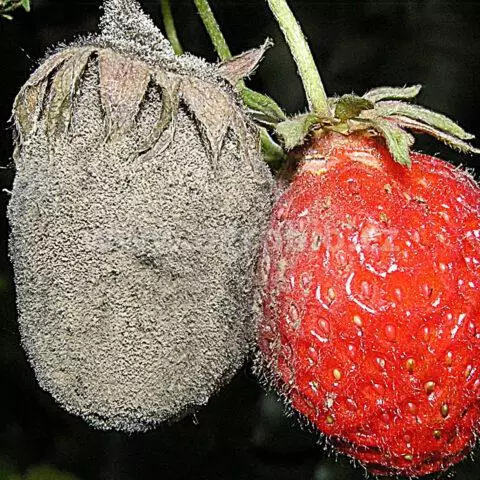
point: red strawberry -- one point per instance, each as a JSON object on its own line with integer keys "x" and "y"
{"x": 370, "y": 303}
{"x": 368, "y": 278}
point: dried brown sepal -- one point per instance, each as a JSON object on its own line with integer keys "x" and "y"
{"x": 29, "y": 101}
{"x": 169, "y": 86}
{"x": 245, "y": 64}
{"x": 49, "y": 65}
{"x": 123, "y": 85}
{"x": 28, "y": 105}
{"x": 211, "y": 107}
{"x": 240, "y": 128}
{"x": 64, "y": 85}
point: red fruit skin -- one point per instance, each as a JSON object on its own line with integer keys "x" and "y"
{"x": 369, "y": 304}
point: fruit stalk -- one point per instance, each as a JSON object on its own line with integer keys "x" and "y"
{"x": 312, "y": 83}
{"x": 170, "y": 29}
{"x": 213, "y": 29}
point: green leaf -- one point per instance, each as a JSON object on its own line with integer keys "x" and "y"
{"x": 416, "y": 112}
{"x": 262, "y": 107}
{"x": 7, "y": 471}
{"x": 398, "y": 140}
{"x": 294, "y": 131}
{"x": 48, "y": 473}
{"x": 26, "y": 5}
{"x": 450, "y": 140}
{"x": 350, "y": 106}
{"x": 8, "y": 17}
{"x": 392, "y": 93}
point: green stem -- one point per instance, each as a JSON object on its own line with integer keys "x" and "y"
{"x": 312, "y": 83}
{"x": 170, "y": 29}
{"x": 213, "y": 29}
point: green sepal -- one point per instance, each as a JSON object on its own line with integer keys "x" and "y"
{"x": 294, "y": 131}
{"x": 262, "y": 108}
{"x": 421, "y": 114}
{"x": 392, "y": 93}
{"x": 398, "y": 140}
{"x": 272, "y": 153}
{"x": 450, "y": 140}
{"x": 350, "y": 106}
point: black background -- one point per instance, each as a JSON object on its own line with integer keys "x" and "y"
{"x": 242, "y": 433}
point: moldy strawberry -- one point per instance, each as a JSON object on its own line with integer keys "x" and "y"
{"x": 138, "y": 202}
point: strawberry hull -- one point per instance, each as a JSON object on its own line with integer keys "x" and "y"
{"x": 369, "y": 284}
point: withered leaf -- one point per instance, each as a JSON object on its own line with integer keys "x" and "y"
{"x": 28, "y": 103}
{"x": 123, "y": 84}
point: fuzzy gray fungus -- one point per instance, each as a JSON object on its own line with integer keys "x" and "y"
{"x": 139, "y": 200}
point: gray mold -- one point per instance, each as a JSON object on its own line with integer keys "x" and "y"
{"x": 133, "y": 259}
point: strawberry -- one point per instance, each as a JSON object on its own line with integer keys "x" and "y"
{"x": 136, "y": 211}
{"x": 368, "y": 283}
{"x": 370, "y": 275}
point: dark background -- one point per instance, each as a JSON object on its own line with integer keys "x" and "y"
{"x": 242, "y": 433}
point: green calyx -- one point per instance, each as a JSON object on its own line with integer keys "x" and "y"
{"x": 385, "y": 111}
